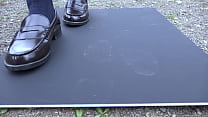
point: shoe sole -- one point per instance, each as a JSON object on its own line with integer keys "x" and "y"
{"x": 75, "y": 23}
{"x": 28, "y": 66}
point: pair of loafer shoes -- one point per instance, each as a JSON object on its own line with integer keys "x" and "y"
{"x": 31, "y": 44}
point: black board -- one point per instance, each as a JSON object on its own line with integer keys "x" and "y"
{"x": 121, "y": 57}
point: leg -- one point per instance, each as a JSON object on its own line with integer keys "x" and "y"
{"x": 44, "y": 7}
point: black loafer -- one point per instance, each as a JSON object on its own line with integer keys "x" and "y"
{"x": 30, "y": 46}
{"x": 76, "y": 12}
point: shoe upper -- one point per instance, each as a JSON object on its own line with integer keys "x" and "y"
{"x": 76, "y": 11}
{"x": 32, "y": 41}
{"x": 32, "y": 32}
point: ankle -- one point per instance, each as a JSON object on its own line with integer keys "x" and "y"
{"x": 43, "y": 7}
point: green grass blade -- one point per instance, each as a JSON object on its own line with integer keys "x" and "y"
{"x": 99, "y": 110}
{"x": 79, "y": 113}
{"x": 98, "y": 116}
{"x": 3, "y": 110}
{"x": 106, "y": 110}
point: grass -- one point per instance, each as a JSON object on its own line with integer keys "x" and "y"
{"x": 1, "y": 2}
{"x": 101, "y": 112}
{"x": 171, "y": 16}
{"x": 3, "y": 111}
{"x": 4, "y": 17}
{"x": 79, "y": 112}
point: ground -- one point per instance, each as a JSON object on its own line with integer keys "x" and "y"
{"x": 189, "y": 16}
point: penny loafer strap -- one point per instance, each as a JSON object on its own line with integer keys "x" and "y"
{"x": 33, "y": 32}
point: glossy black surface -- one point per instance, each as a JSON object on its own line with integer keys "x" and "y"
{"x": 121, "y": 56}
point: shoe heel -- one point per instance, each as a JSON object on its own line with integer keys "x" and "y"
{"x": 57, "y": 32}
